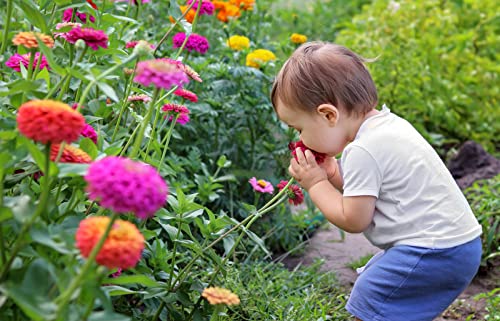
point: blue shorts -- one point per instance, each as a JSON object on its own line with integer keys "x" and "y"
{"x": 408, "y": 283}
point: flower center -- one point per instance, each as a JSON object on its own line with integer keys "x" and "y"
{"x": 261, "y": 183}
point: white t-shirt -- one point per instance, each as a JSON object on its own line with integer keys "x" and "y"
{"x": 418, "y": 202}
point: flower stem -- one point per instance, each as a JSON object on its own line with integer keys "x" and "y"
{"x": 65, "y": 297}
{"x": 144, "y": 124}
{"x": 124, "y": 102}
{"x": 42, "y": 204}
{"x": 10, "y": 7}
{"x": 158, "y": 312}
{"x": 165, "y": 147}
{"x": 101, "y": 76}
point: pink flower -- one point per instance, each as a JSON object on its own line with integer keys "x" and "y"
{"x": 92, "y": 37}
{"x": 132, "y": 44}
{"x": 89, "y": 132}
{"x": 188, "y": 70}
{"x": 186, "y": 94}
{"x": 15, "y": 61}
{"x": 124, "y": 185}
{"x": 141, "y": 97}
{"x": 261, "y": 185}
{"x": 295, "y": 195}
{"x": 176, "y": 109}
{"x": 75, "y": 106}
{"x": 207, "y": 7}
{"x": 195, "y": 42}
{"x": 68, "y": 14}
{"x": 161, "y": 72}
{"x": 134, "y": 1}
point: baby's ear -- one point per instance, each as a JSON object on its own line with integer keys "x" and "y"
{"x": 329, "y": 112}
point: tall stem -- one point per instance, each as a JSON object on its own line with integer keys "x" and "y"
{"x": 144, "y": 124}
{"x": 42, "y": 204}
{"x": 65, "y": 297}
{"x": 10, "y": 7}
{"x": 165, "y": 147}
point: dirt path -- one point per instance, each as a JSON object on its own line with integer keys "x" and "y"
{"x": 327, "y": 244}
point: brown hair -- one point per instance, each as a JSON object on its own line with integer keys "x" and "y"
{"x": 321, "y": 72}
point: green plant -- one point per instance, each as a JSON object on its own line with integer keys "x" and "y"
{"x": 360, "y": 262}
{"x": 492, "y": 304}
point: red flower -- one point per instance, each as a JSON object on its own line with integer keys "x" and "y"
{"x": 292, "y": 146}
{"x": 92, "y": 4}
{"x": 295, "y": 195}
{"x": 51, "y": 121}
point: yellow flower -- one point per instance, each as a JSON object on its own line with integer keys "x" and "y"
{"x": 238, "y": 42}
{"x": 258, "y": 57}
{"x": 216, "y": 295}
{"x": 298, "y": 38}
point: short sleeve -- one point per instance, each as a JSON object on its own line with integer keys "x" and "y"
{"x": 360, "y": 172}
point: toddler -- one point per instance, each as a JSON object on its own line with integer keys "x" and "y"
{"x": 389, "y": 184}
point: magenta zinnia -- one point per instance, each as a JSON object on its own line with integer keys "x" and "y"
{"x": 295, "y": 195}
{"x": 195, "y": 42}
{"x": 207, "y": 7}
{"x": 292, "y": 146}
{"x": 92, "y": 37}
{"x": 179, "y": 111}
{"x": 17, "y": 59}
{"x": 89, "y": 132}
{"x": 68, "y": 14}
{"x": 123, "y": 185}
{"x": 261, "y": 185}
{"x": 161, "y": 72}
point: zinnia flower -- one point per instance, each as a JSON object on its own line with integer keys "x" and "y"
{"x": 195, "y": 42}
{"x": 189, "y": 16}
{"x": 163, "y": 73}
{"x": 124, "y": 185}
{"x": 141, "y": 97}
{"x": 49, "y": 121}
{"x": 207, "y": 7}
{"x": 182, "y": 113}
{"x": 191, "y": 73}
{"x": 216, "y": 295}
{"x": 122, "y": 247}
{"x": 89, "y": 132}
{"x": 132, "y": 44}
{"x": 92, "y": 37}
{"x": 238, "y": 42}
{"x": 70, "y": 154}
{"x": 68, "y": 14}
{"x": 15, "y": 61}
{"x": 261, "y": 185}
{"x": 298, "y": 38}
{"x": 244, "y": 4}
{"x": 259, "y": 57}
{"x": 292, "y": 146}
{"x": 295, "y": 195}
{"x": 226, "y": 11}
{"x": 186, "y": 94}
{"x": 28, "y": 39}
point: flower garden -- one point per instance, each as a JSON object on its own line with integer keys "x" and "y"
{"x": 143, "y": 170}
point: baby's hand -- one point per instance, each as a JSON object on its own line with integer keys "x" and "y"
{"x": 306, "y": 170}
{"x": 330, "y": 166}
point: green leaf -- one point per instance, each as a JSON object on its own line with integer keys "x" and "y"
{"x": 115, "y": 290}
{"x": 47, "y": 52}
{"x": 88, "y": 146}
{"x": 108, "y": 91}
{"x": 131, "y": 279}
{"x": 107, "y": 316}
{"x": 70, "y": 170}
{"x": 43, "y": 237}
{"x": 33, "y": 15}
{"x": 5, "y": 214}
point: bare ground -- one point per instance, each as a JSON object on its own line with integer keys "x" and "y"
{"x": 338, "y": 250}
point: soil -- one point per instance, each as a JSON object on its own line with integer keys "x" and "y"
{"x": 338, "y": 250}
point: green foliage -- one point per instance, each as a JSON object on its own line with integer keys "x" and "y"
{"x": 271, "y": 292}
{"x": 360, "y": 262}
{"x": 492, "y": 304}
{"x": 437, "y": 64}
{"x": 484, "y": 198}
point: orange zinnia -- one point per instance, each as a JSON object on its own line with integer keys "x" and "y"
{"x": 121, "y": 249}
{"x": 29, "y": 39}
{"x": 216, "y": 295}
{"x": 49, "y": 121}
{"x": 245, "y": 4}
{"x": 226, "y": 11}
{"x": 70, "y": 154}
{"x": 189, "y": 16}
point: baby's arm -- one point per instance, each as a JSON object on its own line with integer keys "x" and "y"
{"x": 352, "y": 214}
{"x": 331, "y": 166}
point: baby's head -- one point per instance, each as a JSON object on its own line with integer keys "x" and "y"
{"x": 323, "y": 80}
{"x": 321, "y": 72}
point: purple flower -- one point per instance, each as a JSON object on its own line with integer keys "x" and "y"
{"x": 195, "y": 42}
{"x": 123, "y": 185}
{"x": 15, "y": 61}
{"x": 161, "y": 72}
{"x": 68, "y": 14}
{"x": 92, "y": 37}
{"x": 89, "y": 131}
{"x": 207, "y": 7}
